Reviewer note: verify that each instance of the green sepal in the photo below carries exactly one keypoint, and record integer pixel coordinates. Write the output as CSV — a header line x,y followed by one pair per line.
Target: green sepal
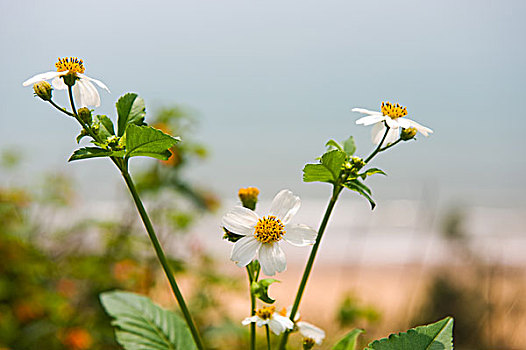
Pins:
x,y
438,335
329,168
130,110
349,341
357,186
371,171
89,152
349,146
149,142
106,128
260,289
334,144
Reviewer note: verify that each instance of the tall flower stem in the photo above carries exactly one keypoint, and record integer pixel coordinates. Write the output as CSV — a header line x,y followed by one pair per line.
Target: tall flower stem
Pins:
x,y
379,148
268,336
251,277
122,165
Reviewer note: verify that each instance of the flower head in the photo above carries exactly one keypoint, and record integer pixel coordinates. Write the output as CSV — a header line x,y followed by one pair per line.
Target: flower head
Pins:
x,y
267,315
70,71
262,236
392,115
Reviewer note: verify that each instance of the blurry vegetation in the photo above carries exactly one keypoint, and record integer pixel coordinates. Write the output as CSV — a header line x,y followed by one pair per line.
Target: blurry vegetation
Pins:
x,y
50,277
351,312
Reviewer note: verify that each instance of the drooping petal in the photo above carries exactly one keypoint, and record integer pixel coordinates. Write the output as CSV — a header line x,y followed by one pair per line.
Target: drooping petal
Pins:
x,y
278,324
245,250
285,205
420,128
78,94
378,132
89,94
41,77
404,122
58,83
392,136
311,331
98,82
272,258
261,322
299,235
249,320
366,111
371,119
240,221
392,123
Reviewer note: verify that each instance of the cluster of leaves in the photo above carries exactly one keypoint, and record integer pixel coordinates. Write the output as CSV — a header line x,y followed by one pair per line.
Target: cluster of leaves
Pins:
x,y
339,166
133,137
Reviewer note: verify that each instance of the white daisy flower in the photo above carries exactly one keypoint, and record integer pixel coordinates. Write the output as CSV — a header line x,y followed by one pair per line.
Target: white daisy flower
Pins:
x,y
392,115
307,330
267,315
84,91
262,236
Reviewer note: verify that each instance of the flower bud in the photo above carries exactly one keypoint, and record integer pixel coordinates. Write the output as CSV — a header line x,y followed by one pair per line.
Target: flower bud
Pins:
x,y
85,115
408,134
43,90
249,197
308,343
357,163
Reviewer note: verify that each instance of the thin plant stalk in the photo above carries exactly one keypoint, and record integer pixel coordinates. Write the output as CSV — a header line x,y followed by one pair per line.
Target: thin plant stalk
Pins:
x,y
268,336
252,309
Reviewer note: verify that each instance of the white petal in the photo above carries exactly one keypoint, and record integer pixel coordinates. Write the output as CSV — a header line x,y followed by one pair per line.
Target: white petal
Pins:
x,y
41,77
58,83
278,324
98,82
249,320
299,235
370,119
240,221
404,123
311,331
366,111
392,136
285,205
392,123
245,250
261,322
90,95
377,132
78,94
422,129
272,258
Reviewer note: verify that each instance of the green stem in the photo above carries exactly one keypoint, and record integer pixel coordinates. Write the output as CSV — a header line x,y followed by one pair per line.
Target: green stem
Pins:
x,y
390,145
268,336
379,148
162,259
63,110
252,309
308,268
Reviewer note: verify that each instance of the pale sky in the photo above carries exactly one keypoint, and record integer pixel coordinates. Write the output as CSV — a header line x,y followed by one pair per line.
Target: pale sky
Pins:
x,y
274,80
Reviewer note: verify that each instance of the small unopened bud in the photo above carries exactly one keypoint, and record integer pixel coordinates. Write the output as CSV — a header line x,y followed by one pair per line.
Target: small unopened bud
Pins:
x,y
308,343
408,134
43,90
248,197
113,141
357,163
85,115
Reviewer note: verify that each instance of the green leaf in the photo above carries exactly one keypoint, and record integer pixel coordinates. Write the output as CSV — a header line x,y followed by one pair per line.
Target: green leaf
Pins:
x,y
131,110
436,336
329,168
349,146
333,160
81,135
357,186
260,289
349,341
335,144
105,126
317,172
143,325
371,171
89,152
149,142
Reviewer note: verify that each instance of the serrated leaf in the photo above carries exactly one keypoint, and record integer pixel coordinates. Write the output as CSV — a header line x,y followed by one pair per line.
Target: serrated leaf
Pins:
x,y
143,325
316,172
148,141
349,146
357,186
89,152
260,289
349,341
335,144
333,160
105,126
329,168
436,336
131,110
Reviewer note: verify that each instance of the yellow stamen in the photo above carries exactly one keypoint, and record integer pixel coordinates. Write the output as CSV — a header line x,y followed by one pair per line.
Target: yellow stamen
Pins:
x,y
269,229
266,312
71,64
393,111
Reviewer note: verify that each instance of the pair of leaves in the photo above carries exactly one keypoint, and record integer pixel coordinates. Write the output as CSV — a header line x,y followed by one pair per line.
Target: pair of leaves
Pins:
x,y
349,146
436,336
140,324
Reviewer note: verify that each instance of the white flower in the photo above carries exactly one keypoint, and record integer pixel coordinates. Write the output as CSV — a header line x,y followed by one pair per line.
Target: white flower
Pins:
x,y
393,116
262,236
84,91
267,315
306,329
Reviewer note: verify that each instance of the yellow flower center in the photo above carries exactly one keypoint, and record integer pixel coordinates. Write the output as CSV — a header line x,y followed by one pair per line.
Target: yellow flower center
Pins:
x,y
393,111
269,229
266,312
71,64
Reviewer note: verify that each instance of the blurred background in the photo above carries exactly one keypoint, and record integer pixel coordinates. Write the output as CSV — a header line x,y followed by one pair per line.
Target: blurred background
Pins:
x,y
255,89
